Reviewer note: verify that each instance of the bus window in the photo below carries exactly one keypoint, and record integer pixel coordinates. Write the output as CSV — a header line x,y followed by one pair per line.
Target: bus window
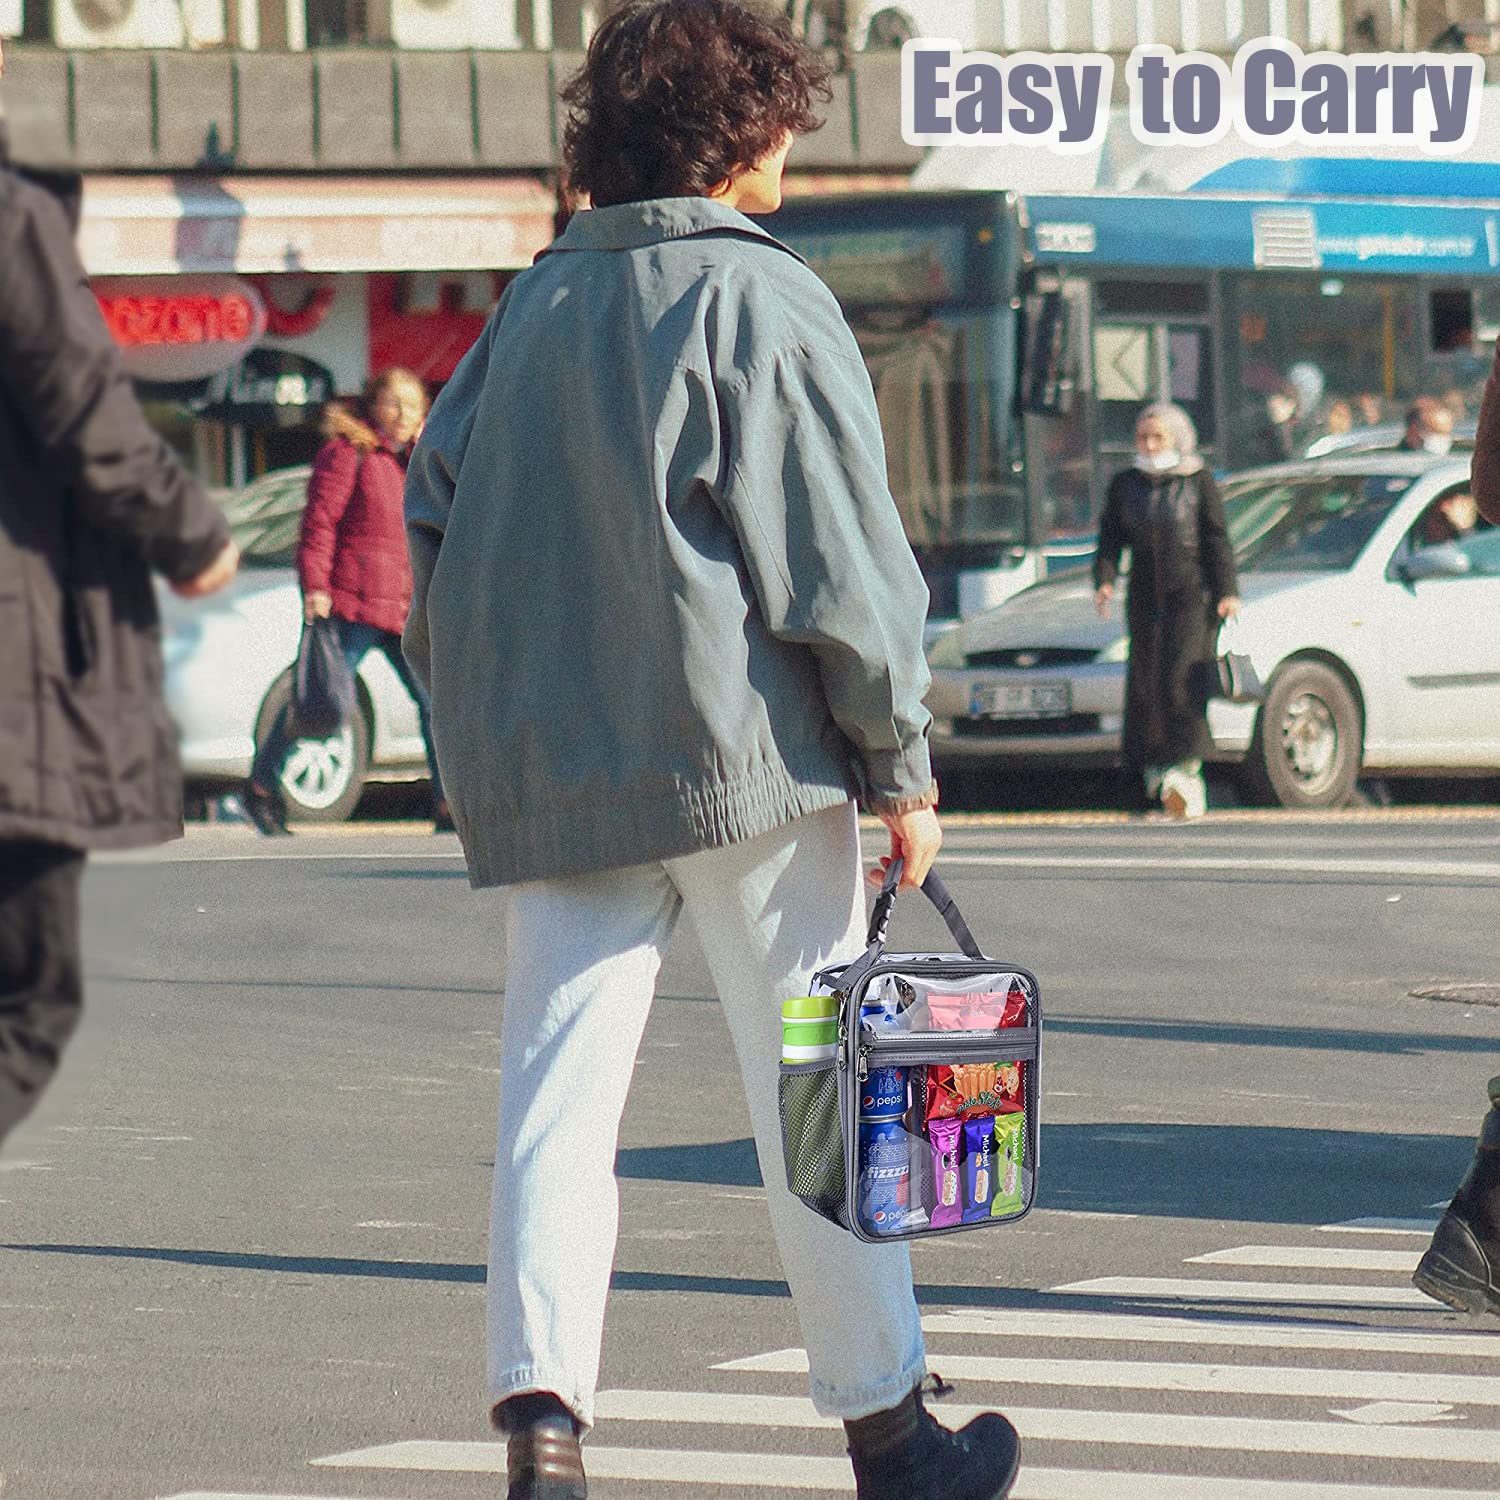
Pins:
x,y
1137,363
1310,349
947,429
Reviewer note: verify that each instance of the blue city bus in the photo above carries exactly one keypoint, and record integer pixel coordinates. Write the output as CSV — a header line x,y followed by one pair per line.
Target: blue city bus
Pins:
x,y
1012,340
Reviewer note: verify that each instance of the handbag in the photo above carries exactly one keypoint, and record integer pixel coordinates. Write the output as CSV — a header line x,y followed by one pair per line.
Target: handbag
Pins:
x,y
322,684
1232,676
924,1121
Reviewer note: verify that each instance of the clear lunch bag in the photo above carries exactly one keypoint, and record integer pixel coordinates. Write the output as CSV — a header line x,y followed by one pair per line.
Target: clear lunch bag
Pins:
x,y
924,1121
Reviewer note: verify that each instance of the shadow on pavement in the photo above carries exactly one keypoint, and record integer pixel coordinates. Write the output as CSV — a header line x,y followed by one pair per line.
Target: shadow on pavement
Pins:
x,y
1252,1173
952,1295
1248,1034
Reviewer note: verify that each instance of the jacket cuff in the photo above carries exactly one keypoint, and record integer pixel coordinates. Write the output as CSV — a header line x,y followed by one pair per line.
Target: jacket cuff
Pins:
x,y
184,561
899,781
898,807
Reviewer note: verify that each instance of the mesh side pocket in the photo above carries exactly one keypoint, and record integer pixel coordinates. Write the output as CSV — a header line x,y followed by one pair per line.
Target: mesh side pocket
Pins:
x,y
811,1140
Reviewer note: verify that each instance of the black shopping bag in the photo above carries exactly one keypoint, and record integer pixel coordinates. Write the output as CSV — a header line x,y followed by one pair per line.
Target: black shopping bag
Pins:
x,y
322,684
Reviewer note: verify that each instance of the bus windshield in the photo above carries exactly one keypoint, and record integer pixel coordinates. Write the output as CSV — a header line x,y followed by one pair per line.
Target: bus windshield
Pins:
x,y
947,428
928,284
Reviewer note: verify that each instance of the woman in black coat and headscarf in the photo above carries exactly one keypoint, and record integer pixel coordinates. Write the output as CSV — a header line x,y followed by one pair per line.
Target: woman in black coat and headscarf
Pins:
x,y
1166,509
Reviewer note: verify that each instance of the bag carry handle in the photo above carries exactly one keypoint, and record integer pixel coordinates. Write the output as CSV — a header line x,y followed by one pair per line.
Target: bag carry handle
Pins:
x,y
880,920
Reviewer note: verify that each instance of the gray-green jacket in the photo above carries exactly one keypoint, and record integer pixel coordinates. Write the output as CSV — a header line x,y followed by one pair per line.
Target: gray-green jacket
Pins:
x,y
663,598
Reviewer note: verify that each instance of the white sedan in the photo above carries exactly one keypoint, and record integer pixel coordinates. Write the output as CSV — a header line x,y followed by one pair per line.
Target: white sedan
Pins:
x,y
228,672
1376,632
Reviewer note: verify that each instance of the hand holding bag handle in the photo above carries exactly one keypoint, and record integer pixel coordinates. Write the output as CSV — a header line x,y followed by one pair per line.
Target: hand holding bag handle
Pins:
x,y
880,919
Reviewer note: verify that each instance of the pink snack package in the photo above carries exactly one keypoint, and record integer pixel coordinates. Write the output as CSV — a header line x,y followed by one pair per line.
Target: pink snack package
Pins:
x,y
947,1173
980,1010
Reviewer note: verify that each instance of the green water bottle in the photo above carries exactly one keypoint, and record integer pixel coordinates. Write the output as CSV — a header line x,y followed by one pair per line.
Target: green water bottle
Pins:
x,y
809,1028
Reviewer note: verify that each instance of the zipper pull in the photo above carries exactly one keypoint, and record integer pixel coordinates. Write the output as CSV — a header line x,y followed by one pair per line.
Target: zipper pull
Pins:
x,y
864,1063
843,1059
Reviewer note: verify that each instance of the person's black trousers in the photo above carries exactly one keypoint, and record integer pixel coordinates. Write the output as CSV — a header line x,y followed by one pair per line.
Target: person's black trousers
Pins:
x,y
41,969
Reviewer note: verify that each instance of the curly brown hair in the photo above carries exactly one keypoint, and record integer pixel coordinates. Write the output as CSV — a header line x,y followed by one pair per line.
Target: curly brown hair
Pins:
x,y
677,95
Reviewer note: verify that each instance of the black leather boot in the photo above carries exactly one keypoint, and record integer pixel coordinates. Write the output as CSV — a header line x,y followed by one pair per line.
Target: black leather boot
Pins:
x,y
1462,1264
905,1454
543,1458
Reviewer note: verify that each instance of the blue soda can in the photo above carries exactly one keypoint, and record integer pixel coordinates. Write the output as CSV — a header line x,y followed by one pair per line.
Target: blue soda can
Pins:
x,y
885,1175
883,1094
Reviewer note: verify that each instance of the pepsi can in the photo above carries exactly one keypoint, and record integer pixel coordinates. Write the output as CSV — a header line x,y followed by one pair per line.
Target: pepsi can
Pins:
x,y
885,1175
883,1094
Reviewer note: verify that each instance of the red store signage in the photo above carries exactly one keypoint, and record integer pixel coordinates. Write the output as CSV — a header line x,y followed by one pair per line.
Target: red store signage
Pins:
x,y
177,328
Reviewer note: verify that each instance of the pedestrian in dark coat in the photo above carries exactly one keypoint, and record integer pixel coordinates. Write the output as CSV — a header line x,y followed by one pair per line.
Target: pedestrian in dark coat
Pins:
x,y
1461,1266
353,565
1166,509
91,502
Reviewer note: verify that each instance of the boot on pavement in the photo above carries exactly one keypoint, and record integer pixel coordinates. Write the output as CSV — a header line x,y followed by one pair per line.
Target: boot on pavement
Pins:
x,y
1462,1264
906,1454
543,1457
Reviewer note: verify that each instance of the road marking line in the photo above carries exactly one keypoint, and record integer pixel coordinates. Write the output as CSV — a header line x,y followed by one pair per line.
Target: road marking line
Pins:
x,y
1311,1258
1237,1380
245,1495
699,1409
1177,1289
1377,869
789,1472
1424,1227
1374,869
1145,1329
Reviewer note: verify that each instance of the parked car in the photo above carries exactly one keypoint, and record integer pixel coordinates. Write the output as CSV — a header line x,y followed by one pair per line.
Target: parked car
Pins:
x,y
228,671
1379,646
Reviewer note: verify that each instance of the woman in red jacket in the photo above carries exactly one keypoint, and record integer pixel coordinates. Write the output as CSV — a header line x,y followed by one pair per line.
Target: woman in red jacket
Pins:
x,y
352,562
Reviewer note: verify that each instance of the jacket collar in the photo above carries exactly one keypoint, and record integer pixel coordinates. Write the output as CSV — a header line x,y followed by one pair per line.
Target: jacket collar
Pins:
x,y
653,221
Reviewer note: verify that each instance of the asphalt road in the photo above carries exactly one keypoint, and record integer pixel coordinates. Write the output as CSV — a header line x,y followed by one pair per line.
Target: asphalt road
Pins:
x,y
244,1236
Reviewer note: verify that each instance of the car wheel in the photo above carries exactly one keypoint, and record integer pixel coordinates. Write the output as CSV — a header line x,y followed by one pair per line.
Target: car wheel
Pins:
x,y
321,780
1308,741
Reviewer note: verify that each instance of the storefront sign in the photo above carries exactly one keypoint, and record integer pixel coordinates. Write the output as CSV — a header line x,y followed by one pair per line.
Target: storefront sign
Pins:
x,y
182,328
268,388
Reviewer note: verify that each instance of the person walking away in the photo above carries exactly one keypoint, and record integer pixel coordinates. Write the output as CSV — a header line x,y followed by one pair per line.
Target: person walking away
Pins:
x,y
671,624
1166,509
91,501
353,566
1461,1265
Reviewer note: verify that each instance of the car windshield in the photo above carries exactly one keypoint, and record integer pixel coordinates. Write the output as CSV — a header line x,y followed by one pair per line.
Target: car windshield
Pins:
x,y
1316,524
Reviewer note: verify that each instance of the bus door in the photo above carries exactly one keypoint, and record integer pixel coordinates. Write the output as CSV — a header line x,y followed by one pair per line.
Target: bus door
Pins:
x,y
1152,341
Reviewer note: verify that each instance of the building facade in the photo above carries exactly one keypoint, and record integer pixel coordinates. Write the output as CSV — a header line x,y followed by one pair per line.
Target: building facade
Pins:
x,y
283,196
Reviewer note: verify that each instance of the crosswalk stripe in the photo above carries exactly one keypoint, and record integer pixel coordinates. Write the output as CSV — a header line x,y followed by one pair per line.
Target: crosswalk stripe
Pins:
x,y
1424,1227
1084,1484
1067,1424
1038,1424
1145,1329
784,1472
1312,1258
1229,1380
1034,1484
1381,869
1182,1289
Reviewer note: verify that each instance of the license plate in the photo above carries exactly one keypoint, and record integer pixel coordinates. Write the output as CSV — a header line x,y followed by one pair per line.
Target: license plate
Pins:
x,y
1020,700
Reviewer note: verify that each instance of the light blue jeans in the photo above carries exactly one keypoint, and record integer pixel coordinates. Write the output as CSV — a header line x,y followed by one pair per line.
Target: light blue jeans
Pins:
x,y
582,961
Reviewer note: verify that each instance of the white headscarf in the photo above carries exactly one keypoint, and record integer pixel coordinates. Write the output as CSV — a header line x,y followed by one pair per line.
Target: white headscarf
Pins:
x,y
1183,434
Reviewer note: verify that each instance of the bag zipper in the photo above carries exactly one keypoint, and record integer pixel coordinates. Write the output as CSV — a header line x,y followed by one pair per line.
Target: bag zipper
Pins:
x,y
993,1046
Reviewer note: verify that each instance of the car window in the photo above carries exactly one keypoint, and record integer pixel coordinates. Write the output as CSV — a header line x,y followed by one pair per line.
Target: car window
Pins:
x,y
1483,551
1309,525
